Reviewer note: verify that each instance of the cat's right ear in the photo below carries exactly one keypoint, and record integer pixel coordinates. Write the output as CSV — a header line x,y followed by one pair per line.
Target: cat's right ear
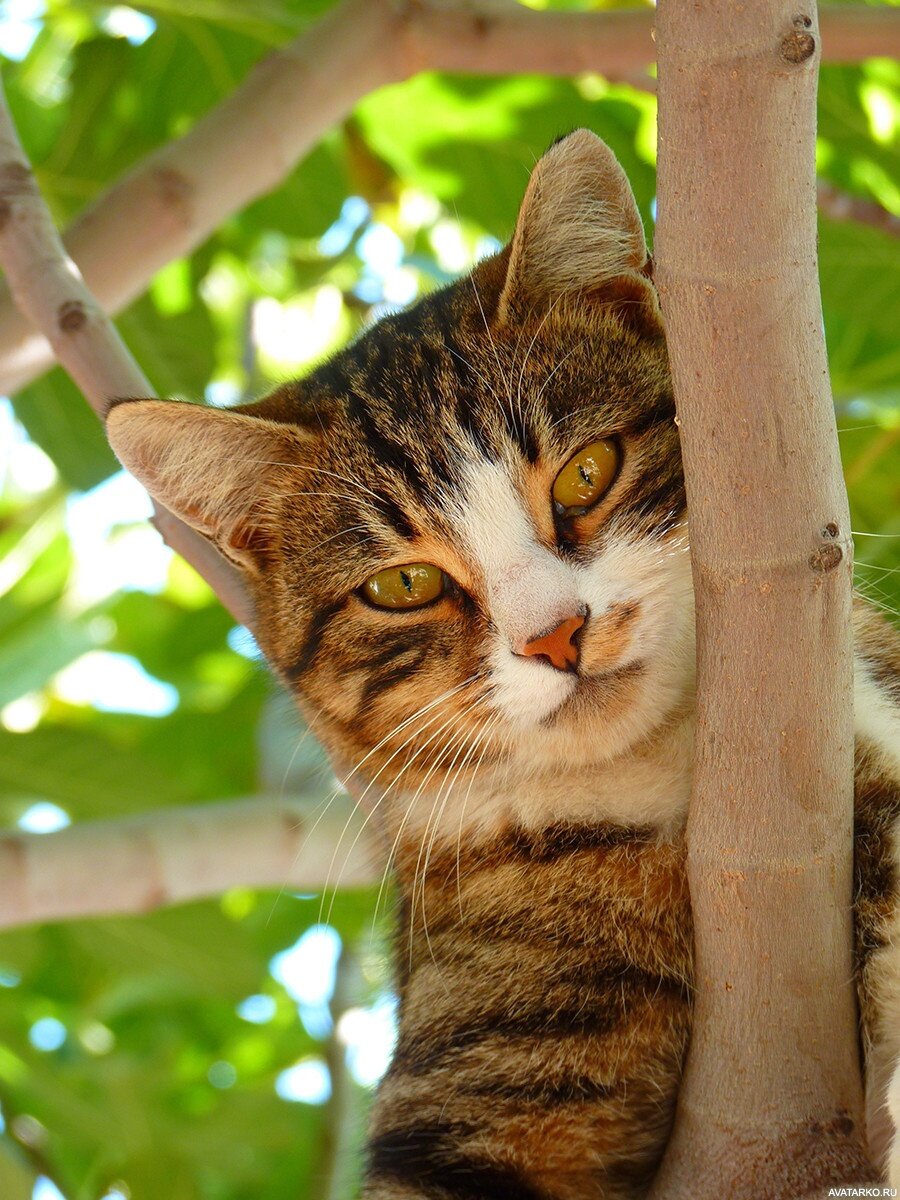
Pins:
x,y
579,235
221,472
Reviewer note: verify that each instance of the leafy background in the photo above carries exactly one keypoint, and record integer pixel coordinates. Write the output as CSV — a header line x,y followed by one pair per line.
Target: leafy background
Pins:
x,y
225,1049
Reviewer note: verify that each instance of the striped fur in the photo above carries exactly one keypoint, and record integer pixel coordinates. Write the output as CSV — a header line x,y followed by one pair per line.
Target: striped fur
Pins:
x,y
534,817
544,1014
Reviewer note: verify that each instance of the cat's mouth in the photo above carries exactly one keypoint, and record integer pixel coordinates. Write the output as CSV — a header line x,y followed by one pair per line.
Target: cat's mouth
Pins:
x,y
595,691
540,693
577,718
601,675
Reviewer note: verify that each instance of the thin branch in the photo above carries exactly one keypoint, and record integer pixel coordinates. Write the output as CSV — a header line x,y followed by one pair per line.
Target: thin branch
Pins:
x,y
50,292
174,199
139,863
841,206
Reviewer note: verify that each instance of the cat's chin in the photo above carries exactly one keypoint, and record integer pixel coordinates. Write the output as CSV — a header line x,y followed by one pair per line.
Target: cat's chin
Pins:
x,y
576,773
604,717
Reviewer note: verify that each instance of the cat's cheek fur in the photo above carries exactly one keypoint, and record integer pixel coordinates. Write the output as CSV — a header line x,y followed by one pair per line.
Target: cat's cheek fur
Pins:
x,y
640,595
877,717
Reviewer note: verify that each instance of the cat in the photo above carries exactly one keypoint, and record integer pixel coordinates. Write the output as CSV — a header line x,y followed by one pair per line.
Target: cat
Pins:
x,y
467,543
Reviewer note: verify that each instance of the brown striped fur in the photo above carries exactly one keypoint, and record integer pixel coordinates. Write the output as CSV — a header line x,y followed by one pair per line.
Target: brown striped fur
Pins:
x,y
551,1050
534,817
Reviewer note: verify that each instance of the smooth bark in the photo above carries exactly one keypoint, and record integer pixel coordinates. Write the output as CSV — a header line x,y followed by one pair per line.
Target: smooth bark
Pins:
x,y
771,1104
173,200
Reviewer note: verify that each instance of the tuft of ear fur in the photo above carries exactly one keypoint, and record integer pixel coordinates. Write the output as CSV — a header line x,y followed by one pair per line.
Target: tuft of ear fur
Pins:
x,y
579,232
217,470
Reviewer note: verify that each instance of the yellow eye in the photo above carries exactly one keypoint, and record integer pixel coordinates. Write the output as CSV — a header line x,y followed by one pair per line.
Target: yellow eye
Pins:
x,y
409,586
585,477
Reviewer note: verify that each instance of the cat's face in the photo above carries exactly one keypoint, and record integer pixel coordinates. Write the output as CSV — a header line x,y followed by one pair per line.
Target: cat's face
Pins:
x,y
466,533
443,437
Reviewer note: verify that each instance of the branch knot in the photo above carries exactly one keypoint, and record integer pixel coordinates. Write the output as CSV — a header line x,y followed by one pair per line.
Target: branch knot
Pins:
x,y
799,45
16,179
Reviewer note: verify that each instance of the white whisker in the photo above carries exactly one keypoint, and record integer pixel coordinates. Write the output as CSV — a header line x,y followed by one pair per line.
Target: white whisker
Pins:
x,y
409,809
359,801
473,739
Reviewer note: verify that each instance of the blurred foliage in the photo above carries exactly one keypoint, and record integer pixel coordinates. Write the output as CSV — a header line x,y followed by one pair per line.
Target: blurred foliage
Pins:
x,y
159,1088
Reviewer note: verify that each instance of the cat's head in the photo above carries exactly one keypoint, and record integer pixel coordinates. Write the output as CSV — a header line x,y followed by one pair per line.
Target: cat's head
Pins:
x,y
465,534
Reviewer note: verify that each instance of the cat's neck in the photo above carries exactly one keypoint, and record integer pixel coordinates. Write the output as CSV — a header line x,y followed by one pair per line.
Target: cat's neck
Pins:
x,y
648,785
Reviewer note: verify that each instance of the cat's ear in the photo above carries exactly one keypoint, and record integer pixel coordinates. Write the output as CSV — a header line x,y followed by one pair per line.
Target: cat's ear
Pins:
x,y
579,233
221,472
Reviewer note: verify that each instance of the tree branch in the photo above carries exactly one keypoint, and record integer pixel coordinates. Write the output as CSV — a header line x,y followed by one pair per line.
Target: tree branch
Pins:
x,y
139,863
771,1104
841,206
171,202
49,290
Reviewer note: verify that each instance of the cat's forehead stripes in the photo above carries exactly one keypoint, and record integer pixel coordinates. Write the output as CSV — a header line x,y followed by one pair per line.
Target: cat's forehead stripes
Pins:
x,y
436,377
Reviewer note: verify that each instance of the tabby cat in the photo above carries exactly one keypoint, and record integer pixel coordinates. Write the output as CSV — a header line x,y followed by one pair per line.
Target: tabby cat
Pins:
x,y
467,544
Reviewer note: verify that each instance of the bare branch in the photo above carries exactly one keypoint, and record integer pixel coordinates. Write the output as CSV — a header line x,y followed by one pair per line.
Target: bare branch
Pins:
x,y
139,863
49,290
771,1103
175,198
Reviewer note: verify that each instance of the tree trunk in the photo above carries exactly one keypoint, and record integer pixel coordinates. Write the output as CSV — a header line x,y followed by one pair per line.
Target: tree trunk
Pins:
x,y
771,1104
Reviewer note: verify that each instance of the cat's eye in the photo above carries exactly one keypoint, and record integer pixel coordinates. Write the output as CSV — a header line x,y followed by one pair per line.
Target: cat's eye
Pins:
x,y
409,586
585,477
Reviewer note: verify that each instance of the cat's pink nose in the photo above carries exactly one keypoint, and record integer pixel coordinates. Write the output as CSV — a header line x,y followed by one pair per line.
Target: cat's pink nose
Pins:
x,y
559,646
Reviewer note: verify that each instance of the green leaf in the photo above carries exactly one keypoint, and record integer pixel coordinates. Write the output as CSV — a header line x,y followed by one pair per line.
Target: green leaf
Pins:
x,y
307,201
32,653
16,1178
58,418
175,349
474,141
850,156
86,774
859,268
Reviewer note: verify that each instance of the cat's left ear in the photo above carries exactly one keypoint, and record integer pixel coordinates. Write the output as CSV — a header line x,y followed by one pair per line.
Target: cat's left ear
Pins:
x,y
579,234
223,473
